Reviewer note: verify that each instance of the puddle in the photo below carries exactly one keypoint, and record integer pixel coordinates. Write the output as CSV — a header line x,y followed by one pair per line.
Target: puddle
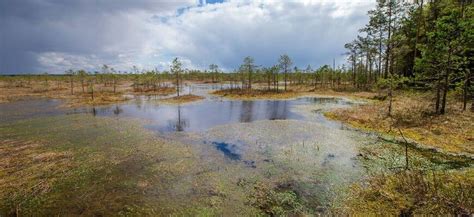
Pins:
x,y
229,150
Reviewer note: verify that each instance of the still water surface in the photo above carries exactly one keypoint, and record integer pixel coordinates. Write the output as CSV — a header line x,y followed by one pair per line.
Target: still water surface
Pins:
x,y
202,116
192,117
266,138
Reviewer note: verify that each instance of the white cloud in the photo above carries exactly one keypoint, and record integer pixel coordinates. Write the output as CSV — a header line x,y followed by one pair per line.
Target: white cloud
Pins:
x,y
150,34
312,32
59,62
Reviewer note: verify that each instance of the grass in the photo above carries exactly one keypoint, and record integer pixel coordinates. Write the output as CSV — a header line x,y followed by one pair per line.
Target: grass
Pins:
x,y
415,192
103,95
256,94
27,169
182,99
52,167
85,165
100,98
275,200
452,132
161,91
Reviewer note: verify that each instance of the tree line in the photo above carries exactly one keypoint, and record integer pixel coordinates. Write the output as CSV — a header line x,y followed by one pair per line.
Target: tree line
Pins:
x,y
424,44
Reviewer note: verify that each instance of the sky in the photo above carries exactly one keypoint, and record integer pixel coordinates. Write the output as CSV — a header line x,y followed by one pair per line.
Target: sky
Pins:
x,y
38,36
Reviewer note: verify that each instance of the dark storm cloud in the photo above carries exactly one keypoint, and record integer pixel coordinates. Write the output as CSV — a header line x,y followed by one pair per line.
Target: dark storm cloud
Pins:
x,y
55,35
30,28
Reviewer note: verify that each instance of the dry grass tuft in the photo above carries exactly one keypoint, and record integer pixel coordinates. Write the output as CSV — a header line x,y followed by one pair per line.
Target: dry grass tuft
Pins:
x,y
257,94
452,132
100,98
27,169
182,99
103,95
415,192
162,91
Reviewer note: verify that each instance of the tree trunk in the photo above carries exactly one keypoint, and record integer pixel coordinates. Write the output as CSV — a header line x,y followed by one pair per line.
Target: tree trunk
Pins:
x,y
72,85
390,97
380,53
467,84
438,94
354,68
275,82
177,83
420,18
387,51
315,80
92,90
367,78
446,84
250,80
371,73
115,83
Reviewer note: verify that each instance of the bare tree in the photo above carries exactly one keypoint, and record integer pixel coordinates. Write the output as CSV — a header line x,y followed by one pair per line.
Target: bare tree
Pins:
x,y
71,73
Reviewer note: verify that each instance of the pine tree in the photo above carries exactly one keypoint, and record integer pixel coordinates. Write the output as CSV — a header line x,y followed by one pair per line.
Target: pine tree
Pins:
x,y
285,65
176,71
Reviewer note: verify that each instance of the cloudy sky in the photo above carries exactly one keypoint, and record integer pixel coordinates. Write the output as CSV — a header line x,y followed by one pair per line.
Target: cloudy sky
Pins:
x,y
56,35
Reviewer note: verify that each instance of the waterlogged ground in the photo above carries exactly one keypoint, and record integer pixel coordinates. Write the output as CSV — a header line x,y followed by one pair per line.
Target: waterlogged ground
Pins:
x,y
213,157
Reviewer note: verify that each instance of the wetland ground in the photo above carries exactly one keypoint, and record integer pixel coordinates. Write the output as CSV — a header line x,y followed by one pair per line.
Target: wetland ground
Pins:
x,y
216,156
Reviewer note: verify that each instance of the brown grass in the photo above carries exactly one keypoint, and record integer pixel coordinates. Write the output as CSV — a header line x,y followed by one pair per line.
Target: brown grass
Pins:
x,y
103,95
162,91
101,98
26,169
414,192
257,94
452,132
182,99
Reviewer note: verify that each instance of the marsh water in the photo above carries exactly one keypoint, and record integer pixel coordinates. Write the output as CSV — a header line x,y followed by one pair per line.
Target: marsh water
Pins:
x,y
286,142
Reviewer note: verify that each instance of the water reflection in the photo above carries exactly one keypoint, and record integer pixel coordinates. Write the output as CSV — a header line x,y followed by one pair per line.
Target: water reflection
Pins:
x,y
202,116
208,114
180,124
117,110
323,100
229,150
246,111
29,108
170,118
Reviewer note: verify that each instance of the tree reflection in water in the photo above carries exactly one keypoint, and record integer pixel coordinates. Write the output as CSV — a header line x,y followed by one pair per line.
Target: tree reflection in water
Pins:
x,y
209,114
180,123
